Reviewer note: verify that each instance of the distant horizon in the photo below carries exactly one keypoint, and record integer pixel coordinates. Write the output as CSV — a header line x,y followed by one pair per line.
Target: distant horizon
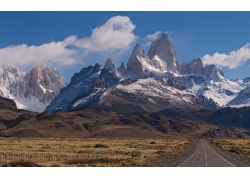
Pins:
x,y
70,41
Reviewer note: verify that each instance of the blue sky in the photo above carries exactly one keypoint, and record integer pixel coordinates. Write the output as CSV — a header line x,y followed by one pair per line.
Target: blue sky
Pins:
x,y
70,41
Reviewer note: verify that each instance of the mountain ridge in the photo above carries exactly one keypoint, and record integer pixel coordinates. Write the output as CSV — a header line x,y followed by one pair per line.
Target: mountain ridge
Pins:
x,y
137,87
31,91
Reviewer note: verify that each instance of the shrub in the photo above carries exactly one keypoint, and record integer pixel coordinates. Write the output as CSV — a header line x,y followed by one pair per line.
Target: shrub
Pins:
x,y
152,142
100,146
21,164
160,152
236,150
80,151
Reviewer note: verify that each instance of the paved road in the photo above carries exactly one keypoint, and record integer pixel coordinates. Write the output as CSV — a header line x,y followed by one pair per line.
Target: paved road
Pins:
x,y
205,156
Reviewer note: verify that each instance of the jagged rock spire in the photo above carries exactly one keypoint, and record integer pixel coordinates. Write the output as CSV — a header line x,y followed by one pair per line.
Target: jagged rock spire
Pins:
x,y
110,66
134,65
163,49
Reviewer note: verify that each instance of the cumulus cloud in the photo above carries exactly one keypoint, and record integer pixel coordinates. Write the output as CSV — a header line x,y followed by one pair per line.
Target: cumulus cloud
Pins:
x,y
231,60
55,52
115,34
153,36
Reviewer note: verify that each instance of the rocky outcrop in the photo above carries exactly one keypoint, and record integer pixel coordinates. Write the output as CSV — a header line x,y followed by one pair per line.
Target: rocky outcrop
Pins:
x,y
162,49
31,91
209,72
111,66
194,67
84,86
224,132
160,59
122,71
134,65
7,103
44,84
242,99
246,80
175,84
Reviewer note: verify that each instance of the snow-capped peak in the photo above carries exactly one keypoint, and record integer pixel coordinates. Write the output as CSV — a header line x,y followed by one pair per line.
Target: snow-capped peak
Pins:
x,y
31,91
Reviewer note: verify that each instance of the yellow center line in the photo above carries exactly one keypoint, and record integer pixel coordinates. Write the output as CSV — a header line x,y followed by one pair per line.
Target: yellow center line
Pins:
x,y
205,152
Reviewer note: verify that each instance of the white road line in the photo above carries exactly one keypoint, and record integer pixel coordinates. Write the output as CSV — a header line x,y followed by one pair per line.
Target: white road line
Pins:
x,y
205,151
220,156
190,156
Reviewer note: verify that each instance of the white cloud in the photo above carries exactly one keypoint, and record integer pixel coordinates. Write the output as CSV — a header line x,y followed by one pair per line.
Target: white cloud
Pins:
x,y
231,60
54,52
115,34
153,36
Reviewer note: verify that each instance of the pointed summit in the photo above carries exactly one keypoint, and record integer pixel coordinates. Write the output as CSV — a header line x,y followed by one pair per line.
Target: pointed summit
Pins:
x,y
44,84
137,49
110,66
194,67
164,36
123,71
122,65
134,65
209,72
35,76
162,49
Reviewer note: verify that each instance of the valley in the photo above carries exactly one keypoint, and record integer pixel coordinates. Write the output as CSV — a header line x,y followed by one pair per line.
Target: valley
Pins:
x,y
153,112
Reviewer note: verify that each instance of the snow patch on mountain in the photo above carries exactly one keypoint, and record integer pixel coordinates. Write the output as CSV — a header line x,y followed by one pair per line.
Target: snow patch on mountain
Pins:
x,y
31,91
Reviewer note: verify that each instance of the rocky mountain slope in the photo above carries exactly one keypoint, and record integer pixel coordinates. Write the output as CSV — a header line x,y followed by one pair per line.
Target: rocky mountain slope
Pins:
x,y
97,122
151,82
96,86
7,103
31,91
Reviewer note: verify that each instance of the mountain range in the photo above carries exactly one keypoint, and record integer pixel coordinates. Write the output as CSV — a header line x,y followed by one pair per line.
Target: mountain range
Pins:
x,y
32,90
152,96
150,82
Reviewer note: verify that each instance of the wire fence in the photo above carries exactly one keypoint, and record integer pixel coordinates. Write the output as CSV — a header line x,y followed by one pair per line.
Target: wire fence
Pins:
x,y
6,158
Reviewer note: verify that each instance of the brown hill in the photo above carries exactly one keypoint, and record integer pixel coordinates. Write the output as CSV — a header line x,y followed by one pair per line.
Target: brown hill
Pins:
x,y
7,103
101,123
95,122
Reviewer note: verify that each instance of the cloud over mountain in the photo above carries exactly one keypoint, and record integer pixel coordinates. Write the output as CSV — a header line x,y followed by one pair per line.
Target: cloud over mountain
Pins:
x,y
232,60
151,37
115,34
24,55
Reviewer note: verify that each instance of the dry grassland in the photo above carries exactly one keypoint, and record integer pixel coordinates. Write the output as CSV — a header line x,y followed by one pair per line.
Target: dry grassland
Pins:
x,y
93,151
239,146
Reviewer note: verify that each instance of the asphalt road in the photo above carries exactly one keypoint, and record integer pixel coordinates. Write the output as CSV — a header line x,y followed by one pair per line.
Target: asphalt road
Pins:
x,y
205,156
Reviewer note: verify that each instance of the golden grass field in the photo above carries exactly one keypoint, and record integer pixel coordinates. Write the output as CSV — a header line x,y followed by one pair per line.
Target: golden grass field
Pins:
x,y
94,151
235,145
